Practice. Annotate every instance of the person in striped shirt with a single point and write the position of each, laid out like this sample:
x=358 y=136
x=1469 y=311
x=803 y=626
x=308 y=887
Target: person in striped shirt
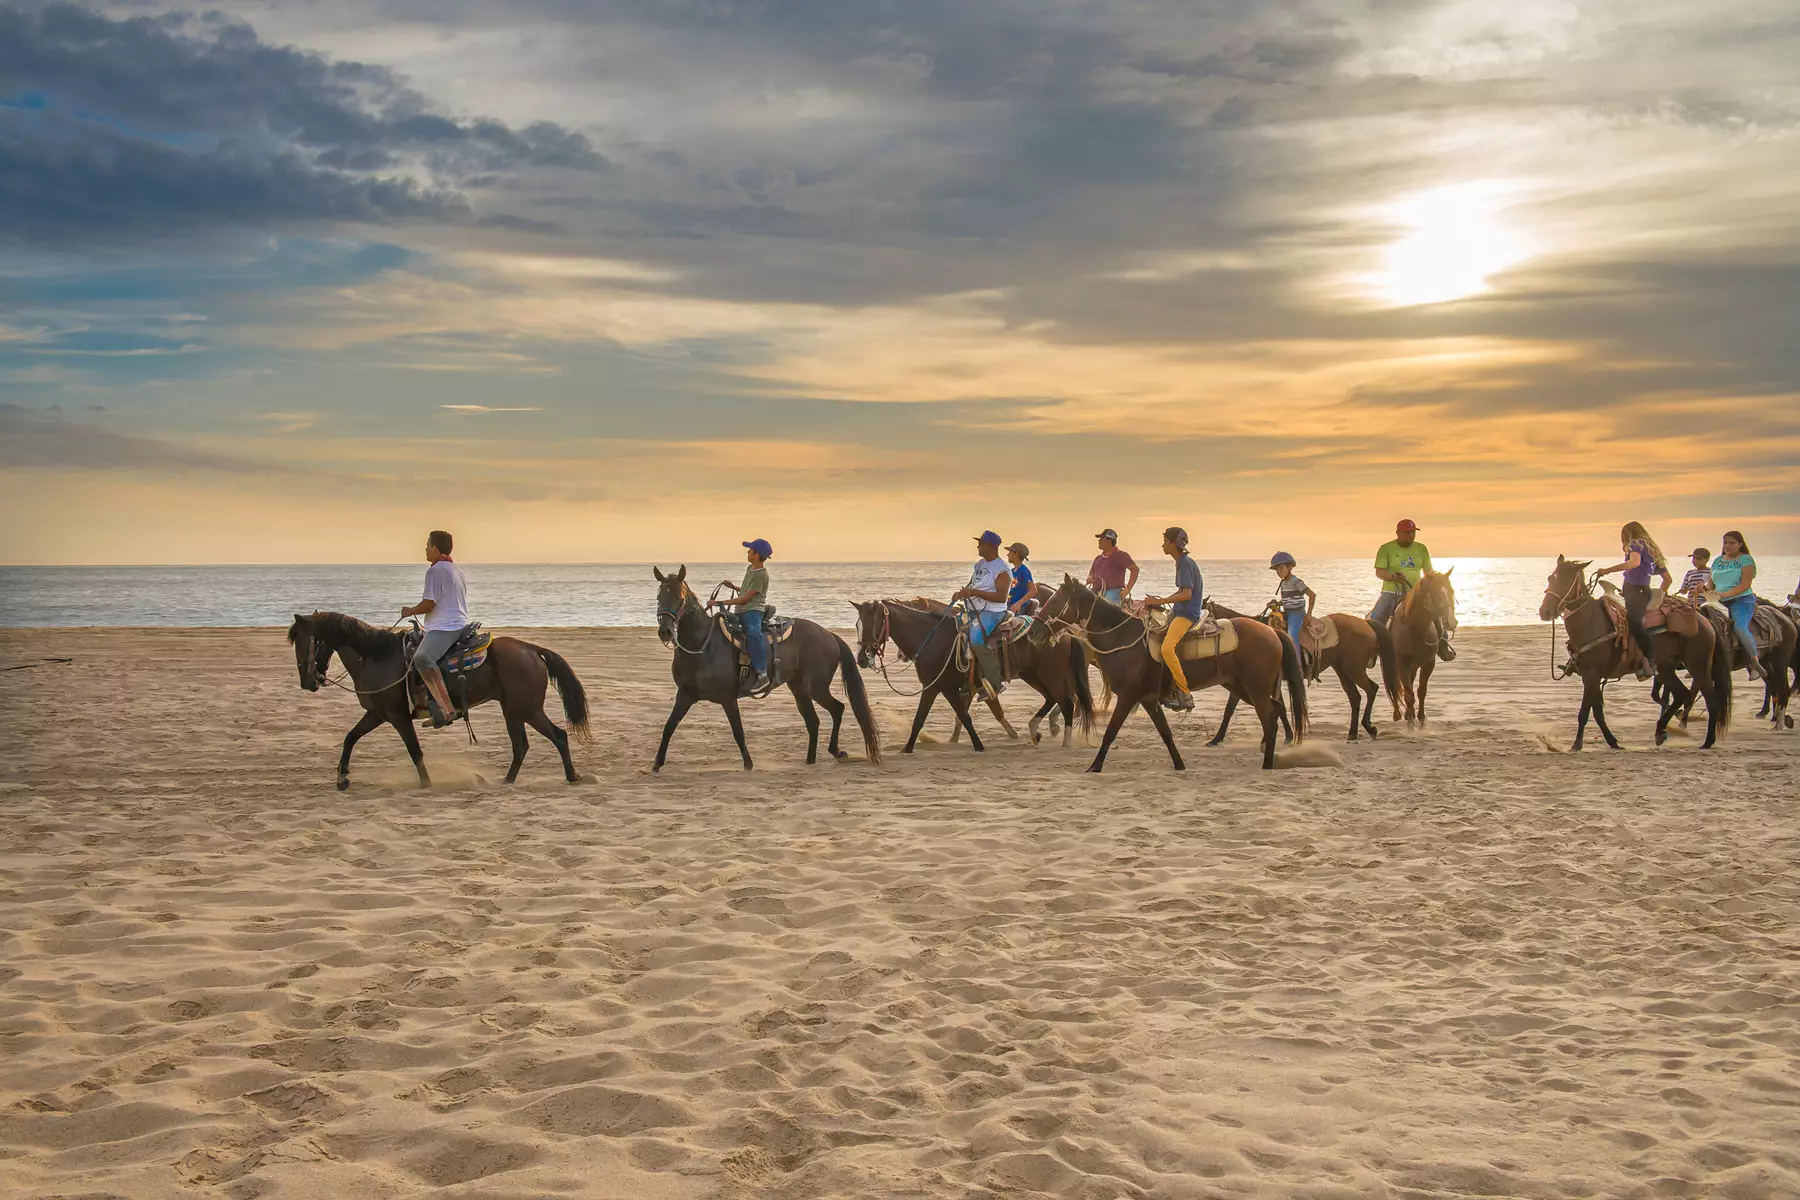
x=1696 y=583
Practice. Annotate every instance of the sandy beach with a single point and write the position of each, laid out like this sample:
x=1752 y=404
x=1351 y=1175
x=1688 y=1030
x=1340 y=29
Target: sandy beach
x=1461 y=963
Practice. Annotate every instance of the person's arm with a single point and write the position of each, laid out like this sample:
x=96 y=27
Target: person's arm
x=1311 y=599
x=1632 y=560
x=422 y=608
x=1744 y=584
x=1002 y=584
x=1131 y=576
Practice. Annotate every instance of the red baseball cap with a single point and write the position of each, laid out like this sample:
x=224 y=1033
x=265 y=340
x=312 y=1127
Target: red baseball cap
x=1407 y=526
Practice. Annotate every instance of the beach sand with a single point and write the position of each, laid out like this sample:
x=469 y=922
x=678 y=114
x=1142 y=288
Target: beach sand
x=1461 y=963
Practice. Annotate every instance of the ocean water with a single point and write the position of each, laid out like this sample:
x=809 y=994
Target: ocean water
x=1490 y=591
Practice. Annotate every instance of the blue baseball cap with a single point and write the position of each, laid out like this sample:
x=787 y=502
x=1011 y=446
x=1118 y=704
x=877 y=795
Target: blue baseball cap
x=989 y=538
x=762 y=547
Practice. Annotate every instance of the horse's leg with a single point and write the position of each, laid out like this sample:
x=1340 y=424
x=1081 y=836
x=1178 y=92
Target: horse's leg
x=1589 y=685
x=1425 y=681
x=960 y=703
x=835 y=707
x=1265 y=713
x=730 y=705
x=926 y=698
x=1121 y=710
x=1032 y=725
x=1231 y=703
x=515 y=730
x=1666 y=686
x=811 y=716
x=1068 y=719
x=558 y=738
x=993 y=703
x=1599 y=718
x=369 y=721
x=1153 y=706
x=409 y=735
x=1354 y=694
x=684 y=700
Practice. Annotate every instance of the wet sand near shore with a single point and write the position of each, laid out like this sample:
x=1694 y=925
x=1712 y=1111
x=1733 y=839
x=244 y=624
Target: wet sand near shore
x=1459 y=963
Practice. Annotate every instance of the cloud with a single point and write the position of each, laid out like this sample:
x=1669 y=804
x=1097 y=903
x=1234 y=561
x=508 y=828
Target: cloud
x=119 y=128
x=485 y=408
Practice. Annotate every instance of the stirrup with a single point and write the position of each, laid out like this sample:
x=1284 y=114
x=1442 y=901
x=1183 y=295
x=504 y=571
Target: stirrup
x=1180 y=702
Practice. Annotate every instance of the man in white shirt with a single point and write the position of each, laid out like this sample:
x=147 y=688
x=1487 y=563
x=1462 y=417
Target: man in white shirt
x=985 y=599
x=445 y=609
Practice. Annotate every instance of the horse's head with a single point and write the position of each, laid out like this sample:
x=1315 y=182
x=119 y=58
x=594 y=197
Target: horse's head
x=1071 y=602
x=871 y=631
x=1567 y=588
x=672 y=596
x=311 y=655
x=1438 y=595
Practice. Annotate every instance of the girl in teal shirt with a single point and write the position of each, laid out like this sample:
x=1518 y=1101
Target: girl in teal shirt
x=1734 y=574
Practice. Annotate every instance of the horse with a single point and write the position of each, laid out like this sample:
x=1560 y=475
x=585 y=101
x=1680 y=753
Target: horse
x=705 y=667
x=1598 y=652
x=515 y=672
x=1137 y=673
x=924 y=632
x=1414 y=630
x=1361 y=643
x=1778 y=689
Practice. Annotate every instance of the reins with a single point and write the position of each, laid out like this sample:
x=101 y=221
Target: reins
x=687 y=598
x=879 y=649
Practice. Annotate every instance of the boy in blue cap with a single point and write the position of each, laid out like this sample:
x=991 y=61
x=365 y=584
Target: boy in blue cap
x=752 y=598
x=985 y=601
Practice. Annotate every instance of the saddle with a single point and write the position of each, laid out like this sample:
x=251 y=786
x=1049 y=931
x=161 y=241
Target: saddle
x=1013 y=627
x=775 y=631
x=1765 y=627
x=1209 y=638
x=1630 y=656
x=468 y=651
x=1672 y=613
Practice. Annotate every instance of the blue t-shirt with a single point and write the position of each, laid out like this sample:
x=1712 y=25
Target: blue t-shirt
x=1727 y=573
x=1187 y=575
x=1021 y=588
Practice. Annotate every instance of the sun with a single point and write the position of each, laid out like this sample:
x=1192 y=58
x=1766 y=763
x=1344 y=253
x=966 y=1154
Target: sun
x=1457 y=238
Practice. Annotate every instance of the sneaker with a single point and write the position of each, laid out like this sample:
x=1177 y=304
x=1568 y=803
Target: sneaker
x=1180 y=702
x=760 y=682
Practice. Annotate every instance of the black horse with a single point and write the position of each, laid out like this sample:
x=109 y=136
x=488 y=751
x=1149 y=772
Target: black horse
x=706 y=668
x=516 y=673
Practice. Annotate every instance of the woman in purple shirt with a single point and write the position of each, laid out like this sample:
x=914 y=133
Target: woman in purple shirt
x=1643 y=558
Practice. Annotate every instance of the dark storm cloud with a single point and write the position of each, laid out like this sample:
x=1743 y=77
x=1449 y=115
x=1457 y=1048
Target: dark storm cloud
x=114 y=128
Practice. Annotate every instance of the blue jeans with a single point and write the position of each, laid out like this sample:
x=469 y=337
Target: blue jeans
x=1114 y=595
x=1295 y=620
x=982 y=626
x=755 y=641
x=1385 y=604
x=1742 y=608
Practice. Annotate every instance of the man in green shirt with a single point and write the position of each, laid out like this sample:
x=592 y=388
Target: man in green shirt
x=752 y=599
x=1399 y=564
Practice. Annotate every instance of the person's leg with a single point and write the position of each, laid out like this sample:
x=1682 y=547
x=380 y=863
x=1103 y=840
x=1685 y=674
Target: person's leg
x=1741 y=609
x=1178 y=628
x=1637 y=602
x=1296 y=619
x=756 y=643
x=1384 y=607
x=980 y=629
x=433 y=646
x=1114 y=596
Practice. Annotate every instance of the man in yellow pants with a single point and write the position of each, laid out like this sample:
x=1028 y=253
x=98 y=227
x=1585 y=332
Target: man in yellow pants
x=1184 y=604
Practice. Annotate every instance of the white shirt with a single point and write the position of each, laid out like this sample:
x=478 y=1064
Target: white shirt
x=445 y=589
x=984 y=579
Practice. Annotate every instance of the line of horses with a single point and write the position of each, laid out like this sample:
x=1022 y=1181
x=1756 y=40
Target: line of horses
x=1075 y=628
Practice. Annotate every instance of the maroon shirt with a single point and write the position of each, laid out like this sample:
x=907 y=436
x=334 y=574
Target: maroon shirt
x=1109 y=569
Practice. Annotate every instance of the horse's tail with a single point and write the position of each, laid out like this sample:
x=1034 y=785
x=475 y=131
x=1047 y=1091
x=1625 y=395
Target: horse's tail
x=1384 y=651
x=1721 y=679
x=859 y=701
x=574 y=696
x=1296 y=682
x=1078 y=678
x=1106 y=692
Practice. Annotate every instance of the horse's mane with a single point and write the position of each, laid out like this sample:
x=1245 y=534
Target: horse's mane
x=341 y=629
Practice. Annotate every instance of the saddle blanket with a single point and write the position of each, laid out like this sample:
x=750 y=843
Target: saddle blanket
x=1766 y=627
x=776 y=630
x=469 y=650
x=1318 y=633
x=1207 y=639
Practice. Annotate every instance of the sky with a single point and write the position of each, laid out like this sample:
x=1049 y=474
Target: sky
x=628 y=280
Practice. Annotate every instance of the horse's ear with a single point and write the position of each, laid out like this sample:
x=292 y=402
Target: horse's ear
x=682 y=574
x=657 y=571
x=1448 y=573
x=1560 y=560
x=1068 y=578
x=299 y=619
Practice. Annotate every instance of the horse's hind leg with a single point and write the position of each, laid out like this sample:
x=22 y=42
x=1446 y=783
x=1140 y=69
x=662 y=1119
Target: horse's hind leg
x=1599 y=717
x=515 y=731
x=1231 y=703
x=730 y=705
x=369 y=721
x=1425 y=682
x=811 y=716
x=1354 y=694
x=410 y=736
x=558 y=738
x=993 y=703
x=1368 y=717
x=835 y=707
x=1031 y=726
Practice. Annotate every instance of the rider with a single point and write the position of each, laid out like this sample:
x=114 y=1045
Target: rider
x=1643 y=557
x=1698 y=581
x=1296 y=598
x=1184 y=611
x=751 y=600
x=1734 y=573
x=446 y=612
x=1022 y=599
x=1400 y=563
x=1113 y=574
x=986 y=604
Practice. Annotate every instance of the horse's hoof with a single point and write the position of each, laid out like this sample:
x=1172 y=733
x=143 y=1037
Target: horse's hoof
x=840 y=754
x=1662 y=736
x=343 y=783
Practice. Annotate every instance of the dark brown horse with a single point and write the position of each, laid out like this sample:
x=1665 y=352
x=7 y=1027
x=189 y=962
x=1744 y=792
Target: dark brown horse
x=1136 y=672
x=706 y=668
x=924 y=633
x=516 y=673
x=1414 y=626
x=1782 y=675
x=1598 y=654
x=1360 y=645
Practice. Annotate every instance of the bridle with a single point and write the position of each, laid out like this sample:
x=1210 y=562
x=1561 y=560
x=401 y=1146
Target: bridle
x=1083 y=631
x=876 y=648
x=675 y=615
x=1579 y=585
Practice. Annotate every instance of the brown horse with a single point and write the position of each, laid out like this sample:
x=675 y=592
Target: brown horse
x=1360 y=645
x=1778 y=687
x=516 y=673
x=705 y=667
x=1137 y=673
x=1598 y=654
x=1777 y=659
x=1414 y=626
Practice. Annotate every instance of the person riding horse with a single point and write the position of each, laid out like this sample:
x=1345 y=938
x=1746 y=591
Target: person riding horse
x=1292 y=594
x=1022 y=599
x=445 y=609
x=1399 y=564
x=1184 y=611
x=751 y=601
x=1113 y=573
x=984 y=599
